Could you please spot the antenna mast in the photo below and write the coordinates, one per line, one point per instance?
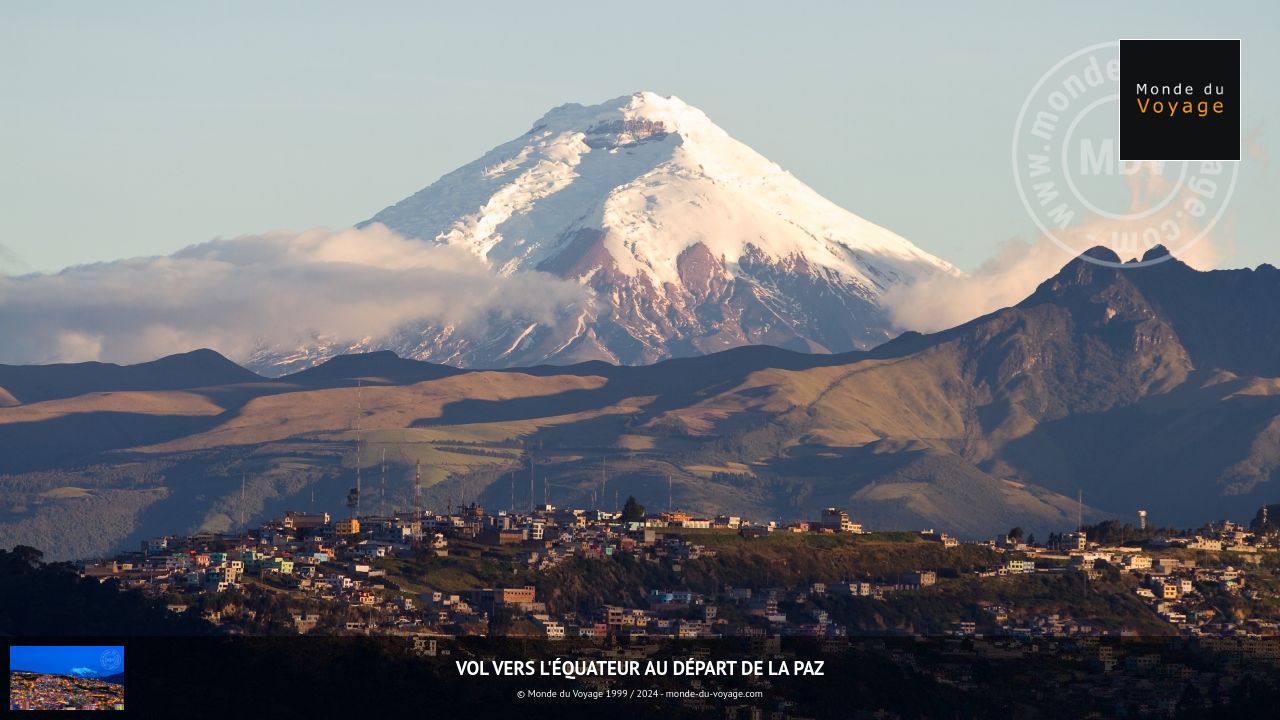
(242, 498)
(417, 489)
(359, 412)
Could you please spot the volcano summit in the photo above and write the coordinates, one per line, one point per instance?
(686, 242)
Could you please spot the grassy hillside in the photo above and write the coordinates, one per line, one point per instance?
(1090, 386)
(781, 560)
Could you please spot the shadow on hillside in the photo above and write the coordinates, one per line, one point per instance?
(676, 383)
(1159, 455)
(75, 438)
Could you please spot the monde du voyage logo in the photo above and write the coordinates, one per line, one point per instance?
(1180, 100)
(1131, 144)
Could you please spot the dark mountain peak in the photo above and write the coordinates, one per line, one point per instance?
(202, 358)
(1164, 262)
(195, 369)
(1081, 277)
(359, 359)
(1101, 252)
(1225, 319)
(1157, 252)
(200, 354)
(381, 366)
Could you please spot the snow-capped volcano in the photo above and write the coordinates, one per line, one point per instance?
(687, 240)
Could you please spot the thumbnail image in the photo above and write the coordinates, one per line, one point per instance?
(66, 677)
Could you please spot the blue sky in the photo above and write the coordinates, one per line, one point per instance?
(101, 660)
(137, 128)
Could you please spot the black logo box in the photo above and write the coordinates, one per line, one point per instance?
(1182, 65)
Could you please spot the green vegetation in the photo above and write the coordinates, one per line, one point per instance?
(632, 511)
(1109, 602)
(778, 561)
(1113, 532)
(81, 526)
(719, 538)
(468, 566)
(51, 599)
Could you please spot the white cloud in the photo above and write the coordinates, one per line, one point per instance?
(276, 289)
(944, 301)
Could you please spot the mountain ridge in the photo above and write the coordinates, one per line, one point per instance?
(196, 368)
(1105, 382)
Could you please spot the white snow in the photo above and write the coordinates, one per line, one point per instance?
(519, 340)
(609, 167)
(648, 177)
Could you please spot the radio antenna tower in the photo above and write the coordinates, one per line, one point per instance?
(382, 500)
(242, 474)
(359, 412)
(417, 489)
(1079, 510)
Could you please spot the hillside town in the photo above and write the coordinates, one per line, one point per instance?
(356, 575)
(42, 691)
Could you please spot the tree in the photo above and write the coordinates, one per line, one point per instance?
(1266, 520)
(632, 511)
(1031, 539)
(27, 555)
